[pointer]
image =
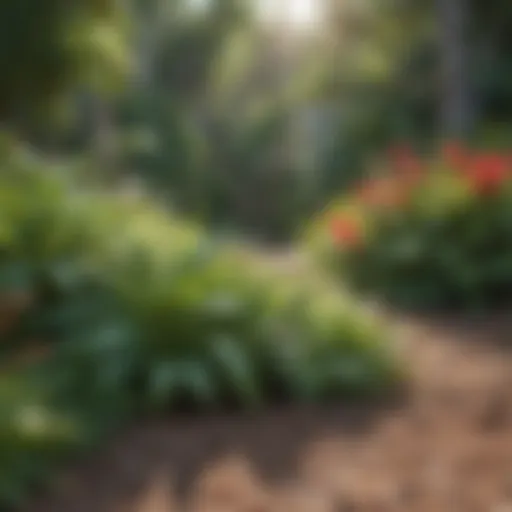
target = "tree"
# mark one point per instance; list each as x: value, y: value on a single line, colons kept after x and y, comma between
x: 48, y: 46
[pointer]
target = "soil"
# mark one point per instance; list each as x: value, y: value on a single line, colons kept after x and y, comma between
x: 447, y: 447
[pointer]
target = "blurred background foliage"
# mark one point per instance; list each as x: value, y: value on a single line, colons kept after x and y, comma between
x: 243, y: 125
x: 249, y: 125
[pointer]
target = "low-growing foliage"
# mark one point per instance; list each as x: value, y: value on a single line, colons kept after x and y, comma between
x: 114, y: 307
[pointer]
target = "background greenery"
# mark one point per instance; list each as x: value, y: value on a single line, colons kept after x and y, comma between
x: 214, y: 100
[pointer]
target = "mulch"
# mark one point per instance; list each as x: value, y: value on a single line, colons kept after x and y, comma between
x: 445, y: 447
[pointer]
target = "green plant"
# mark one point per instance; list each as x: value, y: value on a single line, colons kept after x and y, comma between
x: 431, y: 234
x: 34, y: 436
x: 135, y: 312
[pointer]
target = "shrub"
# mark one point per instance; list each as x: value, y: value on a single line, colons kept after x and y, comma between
x: 426, y: 233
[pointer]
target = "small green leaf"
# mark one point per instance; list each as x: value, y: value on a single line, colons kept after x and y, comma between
x: 164, y: 381
x: 236, y: 368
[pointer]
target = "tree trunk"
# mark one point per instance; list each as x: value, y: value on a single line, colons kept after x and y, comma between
x: 456, y: 105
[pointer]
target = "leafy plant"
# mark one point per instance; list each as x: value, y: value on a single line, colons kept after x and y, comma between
x: 432, y: 233
x: 123, y: 309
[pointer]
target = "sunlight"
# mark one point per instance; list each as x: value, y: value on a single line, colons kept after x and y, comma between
x: 297, y: 14
x: 303, y: 12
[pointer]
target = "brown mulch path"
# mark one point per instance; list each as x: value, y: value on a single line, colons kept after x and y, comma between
x: 448, y: 448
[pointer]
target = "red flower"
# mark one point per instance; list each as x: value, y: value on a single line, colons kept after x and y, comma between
x: 455, y: 155
x: 488, y: 172
x: 346, y: 231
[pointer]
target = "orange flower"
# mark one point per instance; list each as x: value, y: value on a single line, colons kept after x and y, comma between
x: 488, y: 172
x: 346, y: 231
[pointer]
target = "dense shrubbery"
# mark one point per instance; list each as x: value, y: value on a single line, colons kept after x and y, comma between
x: 112, y: 307
x: 429, y: 233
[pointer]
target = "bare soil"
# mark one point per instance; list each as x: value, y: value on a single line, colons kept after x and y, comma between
x: 446, y: 448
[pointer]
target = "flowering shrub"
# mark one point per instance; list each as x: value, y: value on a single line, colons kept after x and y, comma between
x: 426, y: 232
